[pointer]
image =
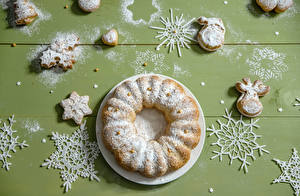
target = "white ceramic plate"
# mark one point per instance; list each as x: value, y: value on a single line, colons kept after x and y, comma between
x: 135, y: 176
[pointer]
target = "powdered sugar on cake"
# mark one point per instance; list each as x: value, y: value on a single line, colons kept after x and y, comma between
x: 150, y: 123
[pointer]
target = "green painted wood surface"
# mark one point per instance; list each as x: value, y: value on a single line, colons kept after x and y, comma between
x: 219, y: 71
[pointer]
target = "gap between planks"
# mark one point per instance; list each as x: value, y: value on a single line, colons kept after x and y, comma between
x: 154, y: 44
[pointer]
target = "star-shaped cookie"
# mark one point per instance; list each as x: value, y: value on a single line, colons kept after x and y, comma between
x: 76, y: 107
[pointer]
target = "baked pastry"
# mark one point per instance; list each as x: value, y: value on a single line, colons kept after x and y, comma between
x: 61, y: 52
x: 89, y: 5
x: 151, y: 157
x: 276, y: 5
x: 248, y: 104
x: 25, y: 12
x: 211, y: 36
x: 75, y: 107
x: 111, y: 37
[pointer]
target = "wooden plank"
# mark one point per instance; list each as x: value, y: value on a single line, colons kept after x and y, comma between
x: 244, y: 20
x: 218, y: 70
x: 26, y: 177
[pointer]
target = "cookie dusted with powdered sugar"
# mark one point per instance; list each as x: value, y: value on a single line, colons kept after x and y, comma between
x: 248, y: 104
x: 25, y: 12
x: 111, y: 37
x: 60, y: 52
x: 276, y: 5
x: 75, y: 107
x: 211, y: 36
x: 89, y: 5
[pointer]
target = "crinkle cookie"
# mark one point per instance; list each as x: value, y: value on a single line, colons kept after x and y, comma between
x: 89, y: 5
x: 248, y: 104
x: 60, y: 52
x: 211, y: 36
x: 25, y: 12
x: 277, y: 5
x: 111, y: 37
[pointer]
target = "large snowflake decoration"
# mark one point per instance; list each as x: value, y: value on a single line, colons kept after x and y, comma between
x: 75, y: 156
x: 267, y: 64
x: 8, y: 142
x: 237, y: 140
x: 290, y: 171
x: 298, y: 100
x: 175, y: 33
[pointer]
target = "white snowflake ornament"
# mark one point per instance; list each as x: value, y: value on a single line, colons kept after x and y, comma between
x: 76, y: 107
x: 237, y: 140
x: 290, y: 171
x: 8, y: 142
x: 75, y: 156
x: 174, y: 33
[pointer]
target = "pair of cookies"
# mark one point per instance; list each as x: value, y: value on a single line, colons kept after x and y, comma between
x: 211, y: 36
x: 276, y: 5
x: 61, y: 52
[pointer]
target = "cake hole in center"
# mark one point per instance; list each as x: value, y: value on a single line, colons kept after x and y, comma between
x: 150, y: 123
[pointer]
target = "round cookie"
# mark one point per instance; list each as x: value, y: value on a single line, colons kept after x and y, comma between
x: 211, y: 36
x: 151, y: 157
x: 89, y: 5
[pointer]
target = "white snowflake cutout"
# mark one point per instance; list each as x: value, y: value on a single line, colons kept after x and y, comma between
x: 174, y: 33
x: 75, y: 156
x: 237, y: 140
x: 290, y: 171
x: 8, y: 142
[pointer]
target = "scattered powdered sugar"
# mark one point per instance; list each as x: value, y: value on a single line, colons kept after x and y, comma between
x: 180, y: 72
x: 150, y: 123
x: 114, y: 56
x: 32, y: 126
x: 128, y: 15
x: 267, y: 64
x: 50, y: 77
x: 154, y: 60
x: 31, y: 29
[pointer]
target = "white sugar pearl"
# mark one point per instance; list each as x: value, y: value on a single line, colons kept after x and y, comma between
x: 276, y: 33
x: 222, y: 102
x: 225, y: 2
x: 95, y: 86
x: 211, y: 190
x: 19, y: 83
x: 51, y: 91
x: 202, y: 83
x: 280, y: 109
x: 44, y: 140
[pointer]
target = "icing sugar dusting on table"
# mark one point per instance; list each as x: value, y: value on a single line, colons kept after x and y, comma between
x: 128, y: 15
x: 32, y: 126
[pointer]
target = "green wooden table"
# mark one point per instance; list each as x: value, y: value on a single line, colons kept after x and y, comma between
x: 249, y: 31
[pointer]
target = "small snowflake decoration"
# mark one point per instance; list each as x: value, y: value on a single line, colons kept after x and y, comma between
x: 298, y: 100
x: 76, y: 107
x: 175, y: 33
x: 8, y: 142
x: 75, y: 156
x: 237, y: 140
x: 290, y: 171
x: 267, y: 64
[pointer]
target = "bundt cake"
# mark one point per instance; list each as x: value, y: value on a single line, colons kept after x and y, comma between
x: 157, y: 156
